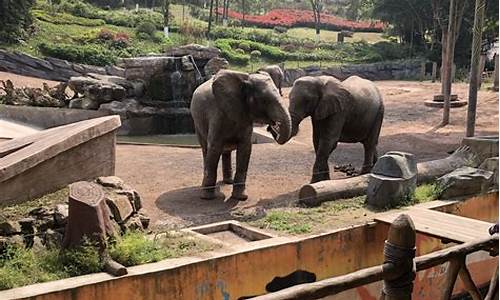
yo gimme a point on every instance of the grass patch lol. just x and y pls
(21, 210)
(426, 193)
(20, 266)
(299, 220)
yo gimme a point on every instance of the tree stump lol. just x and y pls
(89, 218)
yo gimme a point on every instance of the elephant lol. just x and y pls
(350, 111)
(276, 74)
(224, 109)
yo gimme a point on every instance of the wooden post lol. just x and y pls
(434, 71)
(493, 289)
(88, 217)
(495, 74)
(451, 276)
(474, 83)
(447, 64)
(399, 251)
(340, 37)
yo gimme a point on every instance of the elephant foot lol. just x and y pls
(365, 170)
(239, 196)
(318, 178)
(208, 194)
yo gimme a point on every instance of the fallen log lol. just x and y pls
(316, 193)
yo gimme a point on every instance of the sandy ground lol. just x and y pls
(168, 178)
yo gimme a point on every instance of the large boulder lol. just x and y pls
(491, 164)
(198, 52)
(465, 181)
(214, 65)
(393, 180)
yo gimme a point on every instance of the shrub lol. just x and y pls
(105, 35)
(82, 260)
(146, 28)
(230, 54)
(192, 29)
(88, 54)
(120, 40)
(280, 29)
(15, 19)
(64, 18)
(390, 50)
(135, 248)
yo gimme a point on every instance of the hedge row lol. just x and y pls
(64, 18)
(91, 54)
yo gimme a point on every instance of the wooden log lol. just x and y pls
(469, 284)
(316, 193)
(451, 276)
(114, 268)
(399, 251)
(434, 71)
(422, 71)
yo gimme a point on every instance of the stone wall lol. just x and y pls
(394, 70)
(50, 68)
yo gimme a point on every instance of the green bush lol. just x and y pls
(146, 28)
(15, 20)
(134, 248)
(64, 18)
(91, 54)
(230, 54)
(390, 50)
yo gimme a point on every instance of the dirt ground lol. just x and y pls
(168, 178)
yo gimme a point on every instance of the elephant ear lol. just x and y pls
(334, 99)
(231, 90)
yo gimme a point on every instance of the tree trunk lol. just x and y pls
(450, 53)
(216, 12)
(474, 67)
(166, 11)
(210, 18)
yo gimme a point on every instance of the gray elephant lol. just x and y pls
(224, 109)
(276, 74)
(350, 111)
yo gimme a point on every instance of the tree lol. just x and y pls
(166, 12)
(316, 8)
(210, 18)
(15, 19)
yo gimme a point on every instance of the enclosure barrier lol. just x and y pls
(399, 268)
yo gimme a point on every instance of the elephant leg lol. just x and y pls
(210, 171)
(242, 159)
(326, 134)
(321, 170)
(370, 146)
(227, 170)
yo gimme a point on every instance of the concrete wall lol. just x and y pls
(46, 117)
(392, 70)
(246, 271)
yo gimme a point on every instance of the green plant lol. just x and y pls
(231, 54)
(84, 259)
(15, 20)
(146, 28)
(135, 248)
(286, 221)
(427, 192)
(91, 54)
(64, 18)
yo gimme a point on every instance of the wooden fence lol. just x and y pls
(399, 269)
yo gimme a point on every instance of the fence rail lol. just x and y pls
(399, 271)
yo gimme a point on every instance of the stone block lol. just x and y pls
(464, 181)
(393, 180)
(132, 224)
(120, 207)
(9, 228)
(111, 181)
(484, 146)
(61, 214)
(491, 164)
(133, 197)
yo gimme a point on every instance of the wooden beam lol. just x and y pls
(469, 284)
(451, 276)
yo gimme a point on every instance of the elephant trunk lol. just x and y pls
(283, 124)
(296, 119)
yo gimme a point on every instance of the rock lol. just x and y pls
(491, 164)
(52, 239)
(132, 224)
(83, 103)
(115, 71)
(248, 214)
(187, 64)
(61, 214)
(133, 197)
(393, 180)
(464, 181)
(11, 241)
(145, 220)
(9, 228)
(214, 65)
(27, 225)
(198, 52)
(111, 181)
(120, 207)
(36, 243)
